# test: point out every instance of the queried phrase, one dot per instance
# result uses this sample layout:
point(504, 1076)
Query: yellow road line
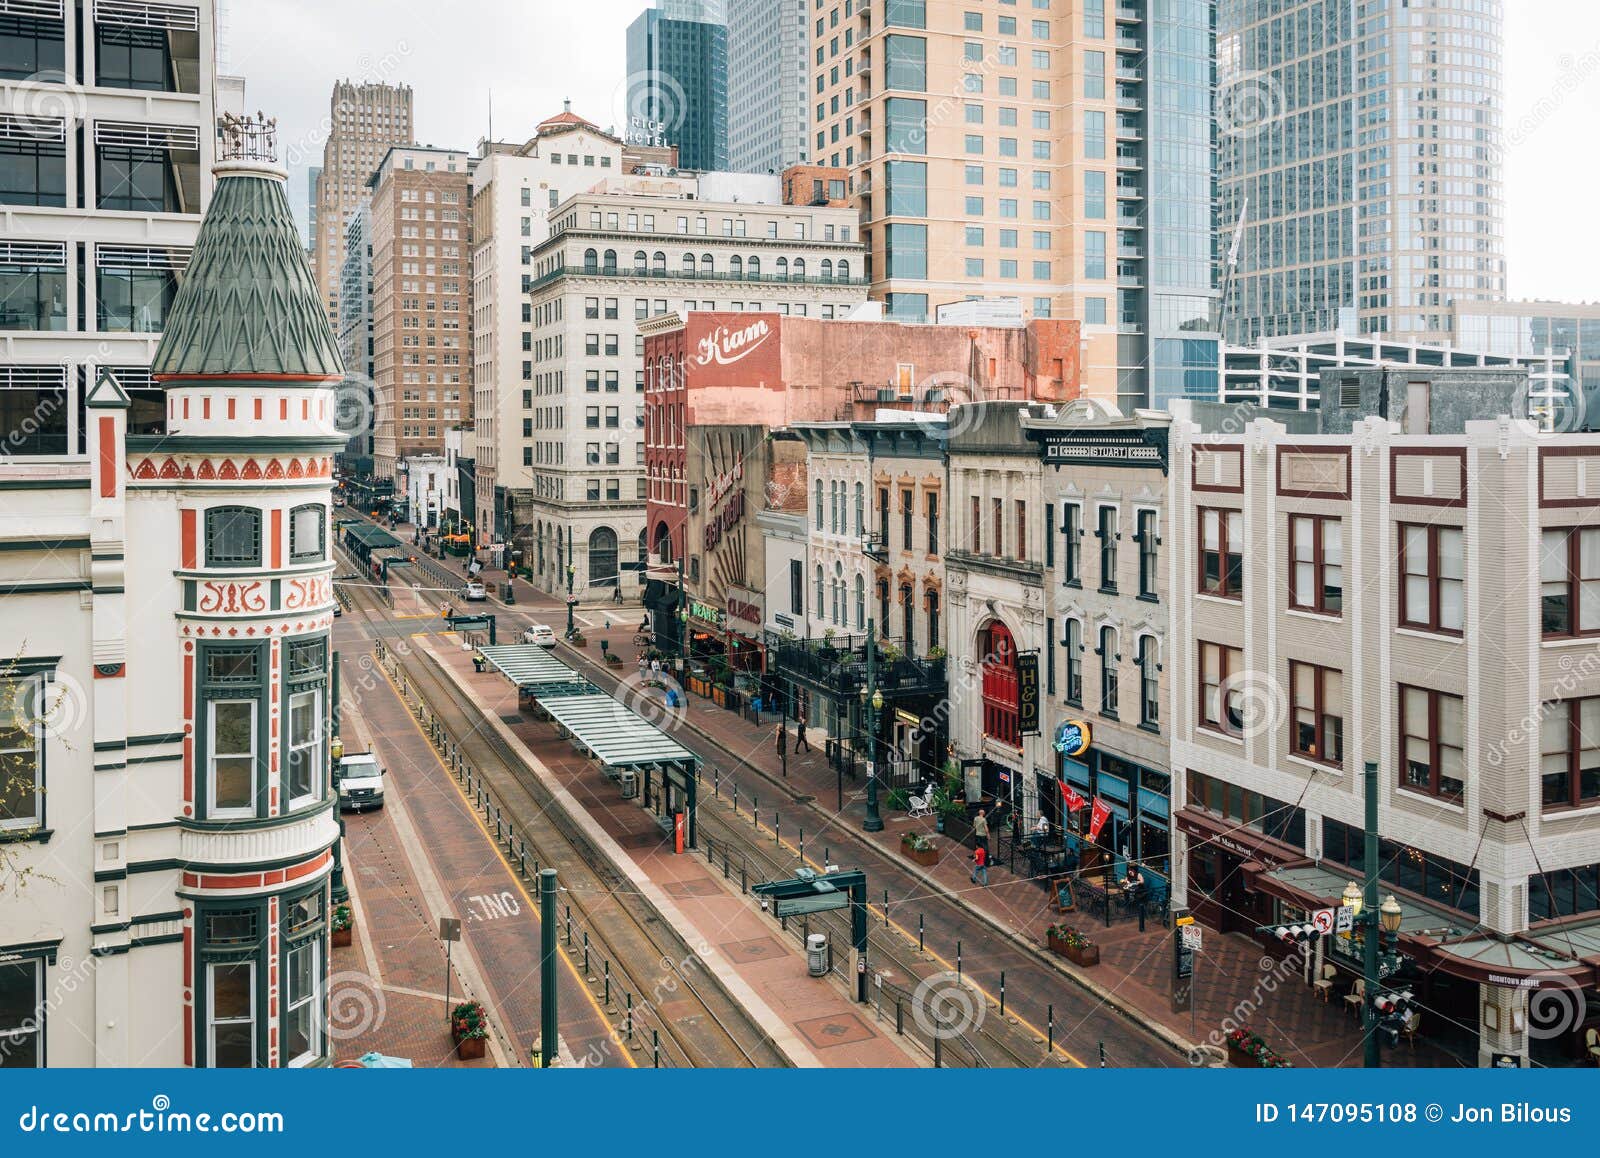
point(516, 878)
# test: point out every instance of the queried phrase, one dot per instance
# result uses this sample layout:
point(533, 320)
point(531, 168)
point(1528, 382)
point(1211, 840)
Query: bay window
point(1316, 567)
point(1317, 729)
point(1432, 578)
point(1432, 733)
point(1221, 553)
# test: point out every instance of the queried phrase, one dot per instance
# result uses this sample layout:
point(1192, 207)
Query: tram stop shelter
point(363, 539)
point(602, 727)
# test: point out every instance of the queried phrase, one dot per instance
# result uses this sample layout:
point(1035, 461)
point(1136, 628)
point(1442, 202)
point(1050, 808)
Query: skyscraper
point(678, 87)
point(1058, 159)
point(365, 120)
point(768, 72)
point(1359, 144)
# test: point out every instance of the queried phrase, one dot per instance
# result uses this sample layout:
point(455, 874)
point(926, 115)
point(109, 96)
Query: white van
point(359, 781)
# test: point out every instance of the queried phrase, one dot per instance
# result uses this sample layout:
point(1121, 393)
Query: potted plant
point(469, 1026)
point(1247, 1048)
point(1068, 942)
point(919, 849)
point(579, 639)
point(343, 927)
point(898, 799)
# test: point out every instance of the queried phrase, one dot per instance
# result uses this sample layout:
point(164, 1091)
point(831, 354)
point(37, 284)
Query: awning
point(1514, 963)
point(534, 670)
point(613, 734)
point(371, 537)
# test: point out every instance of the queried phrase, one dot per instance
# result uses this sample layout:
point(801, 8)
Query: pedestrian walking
point(980, 830)
point(655, 669)
point(782, 738)
point(801, 744)
point(980, 866)
point(642, 665)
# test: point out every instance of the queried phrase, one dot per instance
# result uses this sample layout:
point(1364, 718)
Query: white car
point(539, 633)
point(359, 781)
point(474, 593)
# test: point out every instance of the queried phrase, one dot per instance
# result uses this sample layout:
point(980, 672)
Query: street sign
point(449, 928)
point(1191, 937)
point(1344, 920)
point(1323, 919)
point(818, 903)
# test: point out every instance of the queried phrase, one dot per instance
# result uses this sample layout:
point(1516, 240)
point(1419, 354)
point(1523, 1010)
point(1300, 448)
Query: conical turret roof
point(248, 305)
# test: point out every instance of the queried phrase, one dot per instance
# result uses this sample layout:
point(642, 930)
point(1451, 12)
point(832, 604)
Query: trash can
point(817, 954)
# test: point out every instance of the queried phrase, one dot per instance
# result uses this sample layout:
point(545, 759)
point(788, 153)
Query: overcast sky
point(534, 53)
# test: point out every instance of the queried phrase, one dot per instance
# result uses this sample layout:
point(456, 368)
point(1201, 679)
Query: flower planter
point(342, 938)
point(470, 1048)
point(927, 857)
point(1084, 957)
point(1241, 1060)
point(1056, 945)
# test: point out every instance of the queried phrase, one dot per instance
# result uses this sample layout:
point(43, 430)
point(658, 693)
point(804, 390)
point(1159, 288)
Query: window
point(138, 180)
point(1021, 511)
point(907, 513)
point(1094, 75)
point(305, 747)
point(30, 46)
point(307, 525)
point(1221, 561)
point(905, 125)
point(1221, 703)
point(797, 587)
point(1569, 581)
point(930, 502)
point(33, 296)
point(1094, 254)
point(906, 63)
point(1561, 892)
point(230, 1015)
point(32, 171)
point(231, 757)
point(976, 545)
point(1431, 589)
point(1072, 646)
point(1317, 730)
point(233, 537)
point(1569, 753)
point(1145, 523)
point(23, 708)
point(1316, 569)
point(302, 1028)
point(1149, 683)
point(1431, 736)
point(1106, 532)
point(133, 57)
point(1108, 671)
point(22, 1013)
point(1094, 135)
point(1094, 194)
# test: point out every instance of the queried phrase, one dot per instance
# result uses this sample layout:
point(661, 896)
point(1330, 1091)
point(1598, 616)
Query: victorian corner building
point(166, 805)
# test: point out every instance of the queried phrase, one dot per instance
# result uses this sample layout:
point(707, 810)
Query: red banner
point(1070, 799)
point(1097, 818)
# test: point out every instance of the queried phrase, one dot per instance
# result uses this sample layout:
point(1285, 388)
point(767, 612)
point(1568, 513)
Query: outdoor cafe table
point(1095, 898)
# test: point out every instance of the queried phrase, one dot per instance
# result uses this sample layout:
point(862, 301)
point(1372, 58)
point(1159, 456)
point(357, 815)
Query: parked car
point(474, 592)
point(359, 781)
point(539, 633)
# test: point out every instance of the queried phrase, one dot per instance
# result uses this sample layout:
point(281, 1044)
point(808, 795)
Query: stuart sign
point(1069, 447)
point(729, 344)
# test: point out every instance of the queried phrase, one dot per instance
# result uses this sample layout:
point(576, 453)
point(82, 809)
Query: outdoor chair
point(1409, 1025)
point(921, 805)
point(1324, 984)
point(1357, 996)
point(1591, 1045)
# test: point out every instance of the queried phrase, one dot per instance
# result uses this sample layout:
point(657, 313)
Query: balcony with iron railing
point(838, 663)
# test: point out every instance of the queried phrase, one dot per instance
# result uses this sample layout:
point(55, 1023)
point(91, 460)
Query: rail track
point(645, 961)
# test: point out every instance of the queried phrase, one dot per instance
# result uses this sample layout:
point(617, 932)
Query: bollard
point(938, 1047)
point(776, 829)
point(655, 1047)
point(736, 798)
point(885, 908)
point(716, 783)
point(608, 984)
point(586, 952)
point(755, 816)
point(1102, 1055)
point(1050, 1032)
point(899, 1017)
point(958, 960)
point(744, 884)
point(522, 864)
point(569, 926)
point(630, 1016)
point(1002, 993)
point(919, 932)
point(724, 862)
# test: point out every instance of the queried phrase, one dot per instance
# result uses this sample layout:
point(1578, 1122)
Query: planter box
point(470, 1048)
point(342, 938)
point(1056, 945)
point(927, 858)
point(1084, 957)
point(1241, 1060)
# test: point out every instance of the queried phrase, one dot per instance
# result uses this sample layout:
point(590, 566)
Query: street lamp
point(874, 698)
point(1390, 915)
point(1352, 898)
point(683, 625)
point(571, 599)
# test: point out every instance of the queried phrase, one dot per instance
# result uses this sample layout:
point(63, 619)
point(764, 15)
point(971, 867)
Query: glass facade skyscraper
point(678, 87)
point(1360, 146)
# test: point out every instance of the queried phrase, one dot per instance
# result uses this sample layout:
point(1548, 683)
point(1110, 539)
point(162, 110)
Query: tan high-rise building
point(364, 122)
point(1011, 152)
point(421, 236)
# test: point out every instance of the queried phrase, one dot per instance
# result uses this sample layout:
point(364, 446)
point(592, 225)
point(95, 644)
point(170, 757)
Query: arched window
point(861, 602)
point(861, 510)
point(608, 261)
point(755, 268)
point(799, 268)
point(233, 537)
point(998, 651)
point(821, 595)
point(644, 546)
point(603, 557)
point(1108, 671)
point(1072, 645)
point(819, 504)
point(908, 613)
point(931, 602)
point(688, 263)
point(591, 261)
point(641, 261)
point(708, 265)
point(736, 266)
point(658, 263)
point(1149, 682)
point(827, 270)
point(844, 270)
point(663, 543)
point(840, 614)
point(307, 533)
point(783, 269)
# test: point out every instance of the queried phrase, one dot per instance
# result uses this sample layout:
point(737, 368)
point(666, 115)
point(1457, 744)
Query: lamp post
point(873, 705)
point(571, 599)
point(1378, 923)
point(683, 624)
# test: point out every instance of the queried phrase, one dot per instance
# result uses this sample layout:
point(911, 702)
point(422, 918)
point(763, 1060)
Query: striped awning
point(613, 734)
point(531, 667)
